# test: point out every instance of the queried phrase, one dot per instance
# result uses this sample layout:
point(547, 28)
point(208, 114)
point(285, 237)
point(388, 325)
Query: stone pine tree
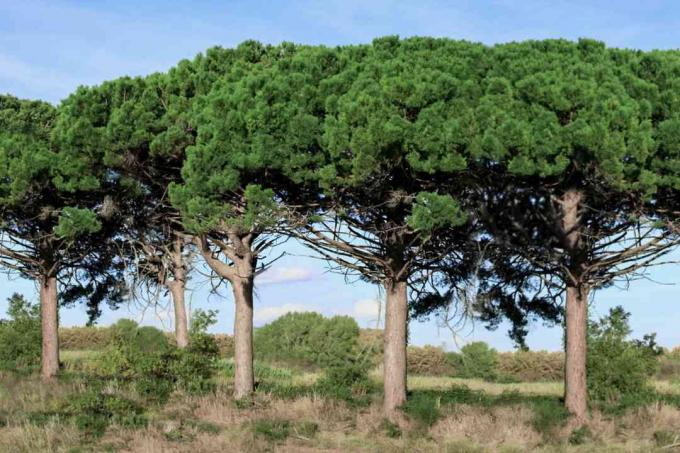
point(564, 166)
point(661, 69)
point(394, 128)
point(143, 125)
point(480, 281)
point(242, 178)
point(56, 224)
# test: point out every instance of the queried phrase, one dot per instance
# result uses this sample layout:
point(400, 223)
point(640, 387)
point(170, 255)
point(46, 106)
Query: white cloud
point(37, 78)
point(367, 309)
point(269, 313)
point(285, 275)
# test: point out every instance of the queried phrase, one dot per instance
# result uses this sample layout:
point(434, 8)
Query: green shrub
point(476, 360)
point(272, 430)
point(155, 367)
point(20, 335)
point(310, 340)
point(549, 415)
point(306, 339)
point(424, 408)
point(619, 369)
point(93, 411)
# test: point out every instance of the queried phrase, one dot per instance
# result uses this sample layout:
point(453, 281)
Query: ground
point(444, 414)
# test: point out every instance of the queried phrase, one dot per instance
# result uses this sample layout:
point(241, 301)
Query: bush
point(93, 411)
point(428, 361)
point(84, 338)
point(279, 430)
point(532, 366)
point(619, 369)
point(423, 408)
point(20, 335)
point(669, 365)
point(306, 340)
point(312, 341)
point(476, 360)
point(155, 367)
point(225, 345)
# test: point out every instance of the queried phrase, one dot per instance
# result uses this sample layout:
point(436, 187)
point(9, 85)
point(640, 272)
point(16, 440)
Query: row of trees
point(524, 174)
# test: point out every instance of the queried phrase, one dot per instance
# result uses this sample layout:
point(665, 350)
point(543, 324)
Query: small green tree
point(619, 369)
point(312, 340)
point(477, 360)
point(20, 335)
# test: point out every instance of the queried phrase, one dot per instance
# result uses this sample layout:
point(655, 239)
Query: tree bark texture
point(394, 367)
point(576, 321)
point(49, 314)
point(244, 376)
point(177, 287)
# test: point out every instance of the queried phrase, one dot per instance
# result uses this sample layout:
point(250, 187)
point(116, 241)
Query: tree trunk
point(49, 314)
point(576, 324)
point(177, 291)
point(177, 288)
point(241, 276)
point(394, 368)
point(244, 376)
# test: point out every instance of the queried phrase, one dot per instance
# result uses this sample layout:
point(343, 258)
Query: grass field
point(443, 414)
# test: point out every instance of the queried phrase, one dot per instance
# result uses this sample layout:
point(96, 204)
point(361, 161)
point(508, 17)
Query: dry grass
point(213, 423)
point(492, 388)
point(28, 438)
point(498, 426)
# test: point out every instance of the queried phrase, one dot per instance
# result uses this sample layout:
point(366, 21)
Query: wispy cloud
point(367, 309)
point(286, 275)
point(18, 72)
point(266, 314)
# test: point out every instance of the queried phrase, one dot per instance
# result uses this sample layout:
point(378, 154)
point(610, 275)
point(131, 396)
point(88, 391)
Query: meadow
point(94, 406)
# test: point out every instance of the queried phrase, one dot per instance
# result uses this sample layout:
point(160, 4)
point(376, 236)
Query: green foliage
point(263, 372)
point(476, 360)
point(618, 369)
point(253, 137)
point(51, 204)
point(202, 344)
point(20, 335)
point(423, 408)
point(306, 339)
point(144, 357)
point(311, 340)
point(93, 411)
point(74, 222)
point(549, 415)
point(277, 431)
point(272, 430)
point(432, 211)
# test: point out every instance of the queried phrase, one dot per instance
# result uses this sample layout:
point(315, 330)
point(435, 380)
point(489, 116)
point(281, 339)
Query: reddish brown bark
point(244, 377)
point(177, 287)
point(49, 313)
point(241, 276)
point(576, 320)
point(394, 367)
point(575, 386)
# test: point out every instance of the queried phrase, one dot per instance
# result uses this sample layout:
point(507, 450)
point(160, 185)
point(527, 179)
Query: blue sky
point(49, 48)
